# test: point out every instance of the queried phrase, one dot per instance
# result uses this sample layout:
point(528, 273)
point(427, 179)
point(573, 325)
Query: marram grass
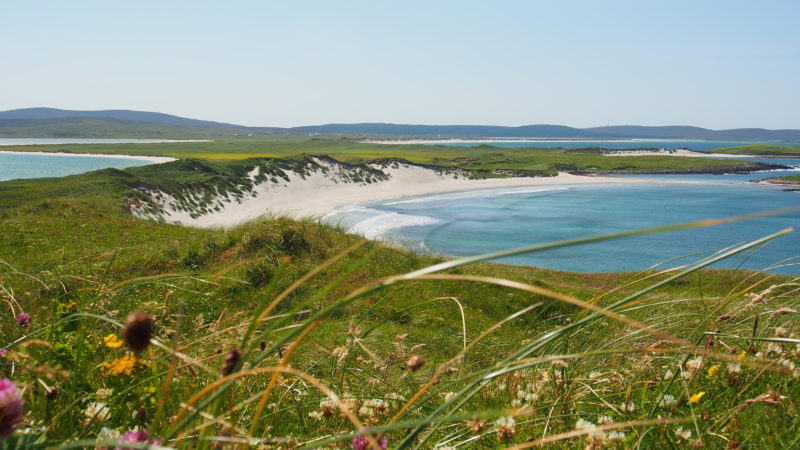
point(283, 334)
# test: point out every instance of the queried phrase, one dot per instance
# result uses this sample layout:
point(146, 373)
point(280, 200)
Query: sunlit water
point(474, 222)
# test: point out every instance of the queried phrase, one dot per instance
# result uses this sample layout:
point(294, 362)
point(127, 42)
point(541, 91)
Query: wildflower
point(505, 427)
point(107, 434)
point(230, 362)
point(668, 375)
point(476, 426)
point(415, 363)
point(615, 436)
point(316, 415)
point(628, 407)
point(713, 372)
point(3, 352)
point(362, 443)
point(96, 411)
point(741, 356)
point(340, 353)
point(782, 332)
point(136, 437)
point(112, 341)
point(667, 401)
point(694, 364)
point(683, 434)
point(138, 331)
point(604, 420)
point(449, 396)
point(326, 408)
point(695, 398)
point(734, 368)
point(24, 320)
point(395, 396)
point(104, 393)
point(11, 405)
point(124, 366)
point(595, 375)
point(774, 349)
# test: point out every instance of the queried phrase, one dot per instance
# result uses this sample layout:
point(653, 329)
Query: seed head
point(415, 363)
point(230, 362)
point(138, 330)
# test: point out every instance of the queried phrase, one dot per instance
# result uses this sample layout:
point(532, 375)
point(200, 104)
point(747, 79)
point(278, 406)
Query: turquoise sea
point(14, 165)
point(480, 221)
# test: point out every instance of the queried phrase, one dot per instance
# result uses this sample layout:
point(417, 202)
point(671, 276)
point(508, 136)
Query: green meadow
point(292, 334)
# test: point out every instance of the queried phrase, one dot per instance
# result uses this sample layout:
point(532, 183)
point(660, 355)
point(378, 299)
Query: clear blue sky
point(716, 64)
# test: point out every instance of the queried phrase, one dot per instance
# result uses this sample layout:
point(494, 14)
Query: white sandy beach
point(678, 152)
point(152, 159)
point(318, 193)
point(6, 142)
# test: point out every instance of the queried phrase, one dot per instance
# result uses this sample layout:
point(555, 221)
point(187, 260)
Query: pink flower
point(24, 320)
point(11, 405)
point(136, 437)
point(362, 443)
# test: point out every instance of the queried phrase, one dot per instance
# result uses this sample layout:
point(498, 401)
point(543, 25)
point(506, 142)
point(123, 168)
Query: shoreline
point(316, 197)
point(488, 140)
point(109, 141)
point(152, 159)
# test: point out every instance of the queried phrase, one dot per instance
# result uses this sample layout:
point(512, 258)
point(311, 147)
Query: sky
point(708, 63)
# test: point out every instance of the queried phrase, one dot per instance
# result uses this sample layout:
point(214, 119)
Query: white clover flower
point(734, 368)
point(683, 434)
point(615, 436)
point(583, 424)
point(668, 375)
point(628, 407)
point(667, 401)
point(773, 348)
point(694, 363)
point(316, 415)
point(104, 393)
point(605, 420)
point(505, 427)
point(97, 411)
point(449, 396)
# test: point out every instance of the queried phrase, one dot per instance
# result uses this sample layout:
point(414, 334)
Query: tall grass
point(663, 358)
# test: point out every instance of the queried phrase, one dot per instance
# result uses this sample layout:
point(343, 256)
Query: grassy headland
point(289, 333)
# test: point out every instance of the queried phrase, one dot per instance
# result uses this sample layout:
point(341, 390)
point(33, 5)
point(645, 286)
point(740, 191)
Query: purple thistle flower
point(136, 437)
point(24, 320)
point(11, 405)
point(362, 443)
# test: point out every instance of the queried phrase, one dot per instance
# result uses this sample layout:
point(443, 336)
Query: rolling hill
point(50, 122)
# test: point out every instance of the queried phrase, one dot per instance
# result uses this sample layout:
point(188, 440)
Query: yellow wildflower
point(741, 356)
point(695, 398)
point(112, 341)
point(713, 372)
point(124, 366)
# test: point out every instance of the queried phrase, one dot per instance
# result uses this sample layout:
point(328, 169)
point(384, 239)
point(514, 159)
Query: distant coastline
point(151, 159)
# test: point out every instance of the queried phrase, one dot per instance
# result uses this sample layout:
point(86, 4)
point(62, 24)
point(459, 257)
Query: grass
point(761, 149)
point(327, 326)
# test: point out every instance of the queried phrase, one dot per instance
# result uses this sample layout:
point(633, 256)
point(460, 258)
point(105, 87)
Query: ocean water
point(669, 144)
point(481, 221)
point(13, 166)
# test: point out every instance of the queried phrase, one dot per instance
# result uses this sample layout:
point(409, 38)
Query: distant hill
point(51, 122)
point(119, 114)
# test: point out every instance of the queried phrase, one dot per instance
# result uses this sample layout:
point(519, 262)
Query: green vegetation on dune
point(761, 150)
point(706, 357)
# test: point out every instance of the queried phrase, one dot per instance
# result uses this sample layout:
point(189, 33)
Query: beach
point(317, 194)
point(152, 159)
